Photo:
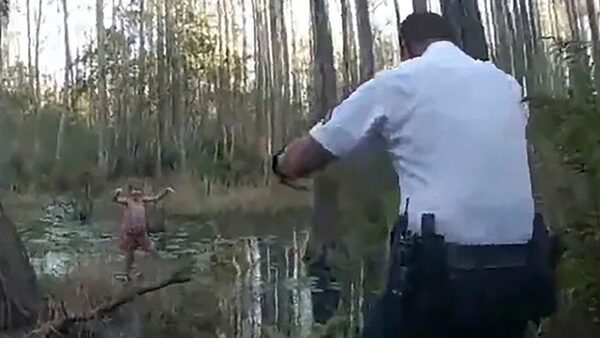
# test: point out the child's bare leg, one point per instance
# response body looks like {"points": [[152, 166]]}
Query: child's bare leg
{"points": [[129, 257], [149, 249], [151, 253]]}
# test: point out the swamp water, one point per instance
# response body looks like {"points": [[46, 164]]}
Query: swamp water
{"points": [[243, 286]]}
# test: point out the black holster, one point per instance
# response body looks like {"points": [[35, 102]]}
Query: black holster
{"points": [[543, 261], [382, 312], [419, 273], [415, 261]]}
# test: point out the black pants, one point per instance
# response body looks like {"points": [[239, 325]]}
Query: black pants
{"points": [[488, 304], [469, 304], [441, 301]]}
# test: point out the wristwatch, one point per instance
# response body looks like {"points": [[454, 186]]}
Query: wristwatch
{"points": [[276, 161]]}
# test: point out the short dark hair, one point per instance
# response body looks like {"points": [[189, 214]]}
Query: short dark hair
{"points": [[423, 27]]}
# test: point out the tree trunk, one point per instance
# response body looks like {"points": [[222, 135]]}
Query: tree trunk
{"points": [[68, 77], [231, 85], [244, 73], [134, 135], [125, 96], [324, 71], [29, 46], [2, 42], [35, 84], [259, 71], [296, 91], [220, 92], [268, 94], [175, 89], [365, 41], [539, 60], [67, 97], [398, 21], [503, 55], [38, 27], [326, 216], [593, 22], [4, 18], [486, 21], [524, 28], [4, 13], [264, 121], [31, 84], [102, 106], [277, 127], [285, 95], [169, 72], [575, 70], [162, 79], [349, 52], [518, 57], [465, 18], [19, 297]]}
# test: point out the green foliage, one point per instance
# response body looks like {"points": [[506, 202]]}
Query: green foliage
{"points": [[198, 46], [573, 55], [570, 125], [28, 129]]}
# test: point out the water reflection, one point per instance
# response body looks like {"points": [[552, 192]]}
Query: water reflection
{"points": [[265, 288], [53, 263]]}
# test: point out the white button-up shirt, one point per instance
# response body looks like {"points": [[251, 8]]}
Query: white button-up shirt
{"points": [[455, 129]]}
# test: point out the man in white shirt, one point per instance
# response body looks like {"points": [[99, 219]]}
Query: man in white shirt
{"points": [[455, 130]]}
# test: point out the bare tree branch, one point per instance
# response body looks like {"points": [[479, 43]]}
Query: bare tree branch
{"points": [[62, 325]]}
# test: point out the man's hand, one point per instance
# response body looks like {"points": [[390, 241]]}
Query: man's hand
{"points": [[300, 158], [276, 161], [118, 191], [169, 190]]}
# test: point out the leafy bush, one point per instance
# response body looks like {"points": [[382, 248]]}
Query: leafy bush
{"points": [[567, 127]]}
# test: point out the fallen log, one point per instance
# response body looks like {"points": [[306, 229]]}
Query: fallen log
{"points": [[18, 283], [62, 325]]}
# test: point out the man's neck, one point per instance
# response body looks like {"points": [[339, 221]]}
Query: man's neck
{"points": [[421, 48]]}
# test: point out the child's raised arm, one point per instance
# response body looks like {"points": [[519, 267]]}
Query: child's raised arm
{"points": [[117, 197], [160, 196]]}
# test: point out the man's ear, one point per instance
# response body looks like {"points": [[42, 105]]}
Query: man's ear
{"points": [[404, 53], [408, 51]]}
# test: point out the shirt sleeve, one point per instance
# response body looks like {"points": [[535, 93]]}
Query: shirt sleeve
{"points": [[354, 120]]}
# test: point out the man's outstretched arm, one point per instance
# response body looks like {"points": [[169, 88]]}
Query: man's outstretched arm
{"points": [[351, 122]]}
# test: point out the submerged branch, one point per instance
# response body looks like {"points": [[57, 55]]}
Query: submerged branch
{"points": [[62, 325]]}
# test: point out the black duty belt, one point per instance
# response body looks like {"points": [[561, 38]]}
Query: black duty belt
{"points": [[470, 257]]}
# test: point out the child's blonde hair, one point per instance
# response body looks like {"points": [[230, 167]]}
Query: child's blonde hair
{"points": [[134, 185]]}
